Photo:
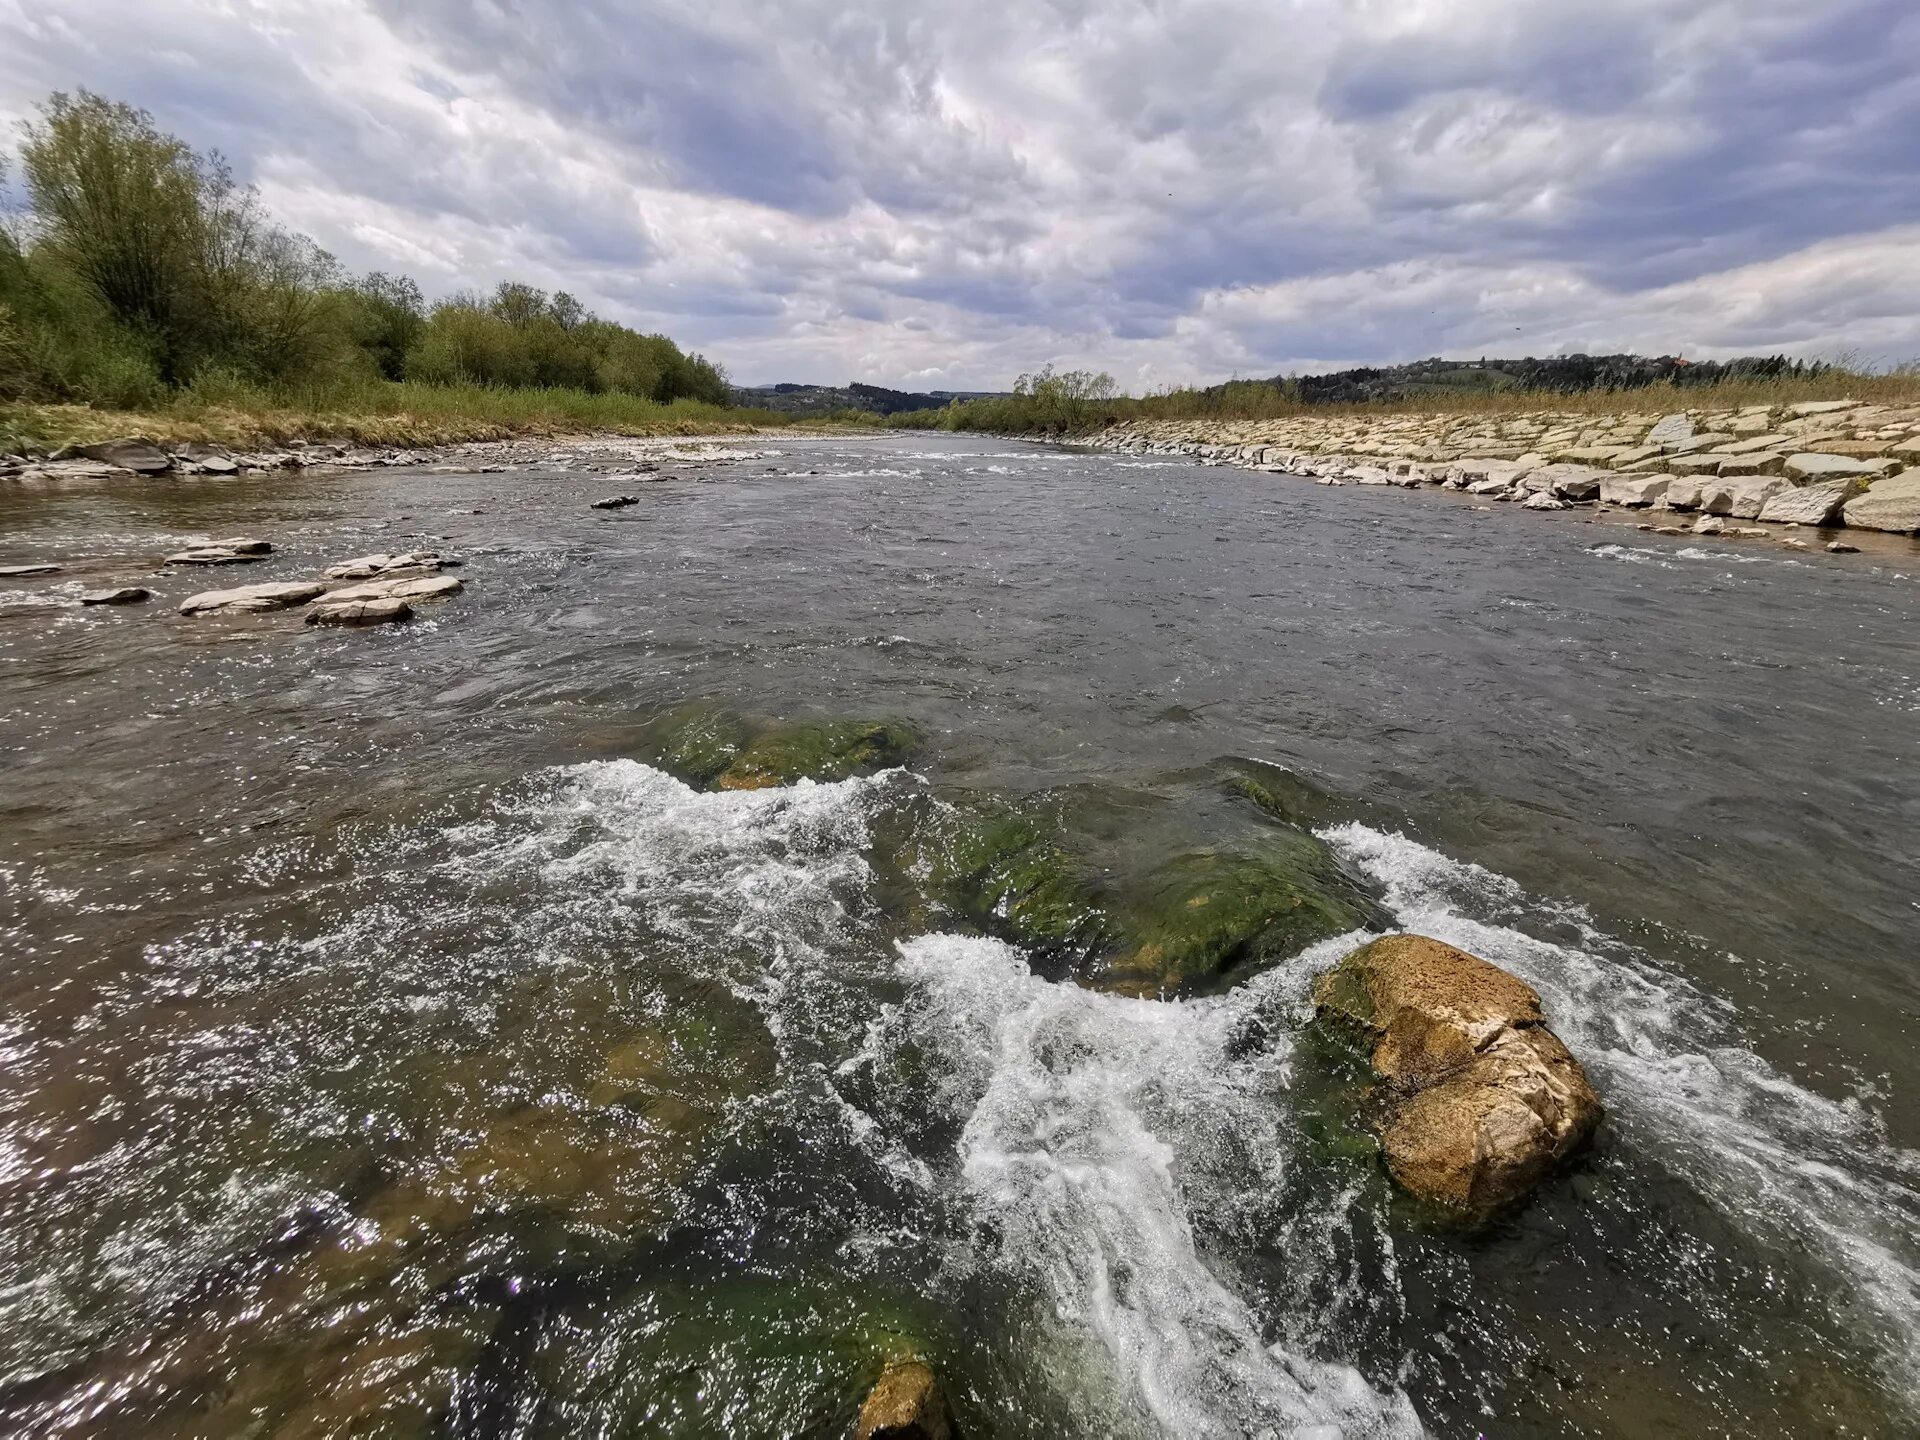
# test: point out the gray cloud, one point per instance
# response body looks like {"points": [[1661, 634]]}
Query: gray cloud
{"points": [[907, 192]]}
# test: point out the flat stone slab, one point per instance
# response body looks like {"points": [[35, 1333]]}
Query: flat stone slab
{"points": [[359, 612], [119, 595], [1891, 504], [274, 595], [424, 587], [26, 572], [366, 567]]}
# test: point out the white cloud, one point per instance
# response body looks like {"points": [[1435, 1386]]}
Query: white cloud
{"points": [[907, 192]]}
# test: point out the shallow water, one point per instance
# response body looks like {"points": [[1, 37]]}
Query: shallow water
{"points": [[387, 1045]]}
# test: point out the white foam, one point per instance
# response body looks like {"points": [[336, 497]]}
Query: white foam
{"points": [[1093, 1125], [1795, 1168]]}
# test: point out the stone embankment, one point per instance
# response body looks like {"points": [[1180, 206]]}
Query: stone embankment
{"points": [[1817, 463]]}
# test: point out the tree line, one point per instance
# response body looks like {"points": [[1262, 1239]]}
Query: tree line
{"points": [[133, 267]]}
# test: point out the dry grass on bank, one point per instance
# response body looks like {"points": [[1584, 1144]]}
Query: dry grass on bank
{"points": [[402, 414]]}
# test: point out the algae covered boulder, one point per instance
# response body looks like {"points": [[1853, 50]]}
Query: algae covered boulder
{"points": [[1482, 1098], [829, 750], [1208, 920], [709, 746], [1006, 869]]}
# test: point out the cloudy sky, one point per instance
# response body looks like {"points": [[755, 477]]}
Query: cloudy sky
{"points": [[936, 195]]}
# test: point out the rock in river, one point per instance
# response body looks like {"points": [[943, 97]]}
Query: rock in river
{"points": [[120, 595], [616, 502], [276, 595], [422, 587], [1484, 1099], [906, 1404], [26, 572], [141, 456], [360, 612], [1892, 504]]}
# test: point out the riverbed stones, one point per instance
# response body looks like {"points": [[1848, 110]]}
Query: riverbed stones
{"points": [[1482, 1100], [118, 595], [905, 1404], [360, 612], [1889, 504], [274, 595]]}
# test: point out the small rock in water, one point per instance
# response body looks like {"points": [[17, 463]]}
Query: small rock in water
{"points": [[22, 572], [1544, 500], [1842, 547], [238, 550], [360, 612], [906, 1404], [616, 502], [122, 595], [1486, 1100], [1709, 525]]}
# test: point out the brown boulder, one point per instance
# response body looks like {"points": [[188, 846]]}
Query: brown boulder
{"points": [[905, 1404], [1483, 1099]]}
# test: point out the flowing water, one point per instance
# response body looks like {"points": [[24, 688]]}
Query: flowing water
{"points": [[390, 1049]]}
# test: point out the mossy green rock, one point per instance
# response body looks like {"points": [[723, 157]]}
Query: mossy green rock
{"points": [[833, 750], [1206, 921], [1006, 871], [698, 742]]}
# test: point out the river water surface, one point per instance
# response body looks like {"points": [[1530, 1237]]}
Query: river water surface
{"points": [[386, 1047]]}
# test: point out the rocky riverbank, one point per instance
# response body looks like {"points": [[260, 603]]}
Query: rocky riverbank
{"points": [[1832, 463], [137, 457]]}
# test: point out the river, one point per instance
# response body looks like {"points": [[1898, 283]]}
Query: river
{"points": [[389, 1047]]}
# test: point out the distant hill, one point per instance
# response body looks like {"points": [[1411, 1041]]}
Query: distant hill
{"points": [[1567, 374], [792, 399]]}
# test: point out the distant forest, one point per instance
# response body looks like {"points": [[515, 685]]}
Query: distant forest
{"points": [[1563, 374], [789, 398]]}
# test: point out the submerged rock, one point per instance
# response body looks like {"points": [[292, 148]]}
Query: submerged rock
{"points": [[26, 572], [905, 1404], [832, 750], [120, 595], [275, 595], [1484, 1100], [1206, 921], [616, 502]]}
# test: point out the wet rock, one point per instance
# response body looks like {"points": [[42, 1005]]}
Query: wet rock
{"points": [[1542, 500], [239, 550], [360, 612], [366, 567], [1483, 1100], [834, 750], [1206, 921], [422, 587], [26, 572], [278, 595], [142, 457], [616, 502], [905, 1404], [1842, 547], [1890, 504], [121, 595], [1709, 525]]}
